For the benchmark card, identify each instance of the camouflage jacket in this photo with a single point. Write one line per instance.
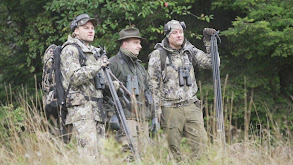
(165, 83)
(81, 81)
(121, 66)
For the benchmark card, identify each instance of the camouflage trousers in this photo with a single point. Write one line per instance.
(140, 135)
(187, 121)
(90, 135)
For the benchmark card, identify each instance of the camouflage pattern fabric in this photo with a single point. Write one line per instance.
(180, 115)
(83, 114)
(87, 110)
(90, 136)
(165, 83)
(47, 86)
(81, 80)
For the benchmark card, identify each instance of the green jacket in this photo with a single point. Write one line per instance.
(121, 66)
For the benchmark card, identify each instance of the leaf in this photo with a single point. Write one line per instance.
(207, 19)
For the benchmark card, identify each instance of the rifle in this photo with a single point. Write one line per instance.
(217, 86)
(120, 112)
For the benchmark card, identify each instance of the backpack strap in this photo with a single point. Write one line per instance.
(82, 57)
(163, 56)
(188, 49)
(61, 97)
(82, 60)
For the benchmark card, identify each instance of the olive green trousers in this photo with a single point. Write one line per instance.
(185, 121)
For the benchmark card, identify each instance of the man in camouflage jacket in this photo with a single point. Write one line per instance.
(126, 64)
(84, 111)
(177, 100)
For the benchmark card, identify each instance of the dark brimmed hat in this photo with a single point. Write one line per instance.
(81, 20)
(130, 32)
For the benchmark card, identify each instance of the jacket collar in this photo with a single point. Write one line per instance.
(166, 45)
(127, 58)
(80, 43)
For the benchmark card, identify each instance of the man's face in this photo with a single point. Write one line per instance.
(85, 32)
(132, 45)
(176, 37)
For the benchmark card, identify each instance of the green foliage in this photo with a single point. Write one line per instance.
(261, 43)
(11, 116)
(258, 44)
(260, 48)
(29, 27)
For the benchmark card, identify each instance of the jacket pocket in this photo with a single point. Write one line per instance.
(74, 99)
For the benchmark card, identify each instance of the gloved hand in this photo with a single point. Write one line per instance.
(207, 32)
(155, 125)
(103, 61)
(114, 123)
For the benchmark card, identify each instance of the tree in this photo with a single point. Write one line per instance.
(259, 46)
(31, 26)
(261, 40)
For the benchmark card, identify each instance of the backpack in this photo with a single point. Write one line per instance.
(54, 96)
(49, 83)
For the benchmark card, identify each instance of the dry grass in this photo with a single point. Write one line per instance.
(29, 141)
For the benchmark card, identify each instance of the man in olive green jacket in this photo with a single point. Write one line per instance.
(127, 68)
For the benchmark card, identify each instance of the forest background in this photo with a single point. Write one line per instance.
(256, 48)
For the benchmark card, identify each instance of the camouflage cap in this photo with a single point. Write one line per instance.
(81, 20)
(173, 25)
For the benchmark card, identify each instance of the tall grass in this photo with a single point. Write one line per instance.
(26, 139)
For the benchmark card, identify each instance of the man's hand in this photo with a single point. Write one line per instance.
(155, 125)
(114, 123)
(103, 61)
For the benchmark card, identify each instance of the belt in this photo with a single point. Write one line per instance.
(92, 98)
(183, 103)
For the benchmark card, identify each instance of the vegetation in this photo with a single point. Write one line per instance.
(256, 69)
(26, 139)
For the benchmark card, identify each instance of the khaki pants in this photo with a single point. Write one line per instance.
(184, 121)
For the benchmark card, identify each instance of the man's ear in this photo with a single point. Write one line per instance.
(76, 31)
(123, 44)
